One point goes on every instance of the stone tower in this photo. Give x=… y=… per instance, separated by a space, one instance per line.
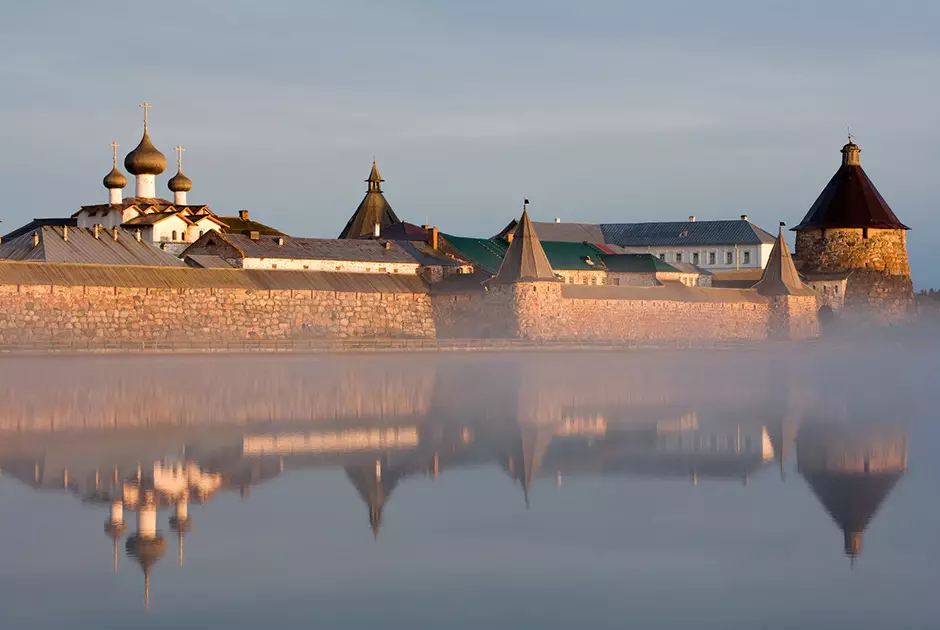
x=850 y=228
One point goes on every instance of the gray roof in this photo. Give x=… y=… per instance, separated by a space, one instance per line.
x=685 y=267
x=427 y=256
x=82 y=247
x=561 y=232
x=189 y=278
x=38 y=223
x=780 y=276
x=679 y=233
x=206 y=261
x=354 y=250
x=525 y=260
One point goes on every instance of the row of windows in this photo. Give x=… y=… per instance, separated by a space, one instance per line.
x=712 y=258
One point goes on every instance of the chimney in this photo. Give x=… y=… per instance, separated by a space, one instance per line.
x=137 y=235
x=691 y=218
x=433 y=237
x=163 y=246
x=35 y=239
x=388 y=245
x=97 y=228
x=280 y=241
x=254 y=236
x=377 y=230
x=744 y=217
x=65 y=233
x=557 y=219
x=243 y=215
x=114 y=233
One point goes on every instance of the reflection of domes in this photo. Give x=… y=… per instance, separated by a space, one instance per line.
x=180 y=183
x=180 y=525
x=146 y=551
x=115 y=180
x=145 y=159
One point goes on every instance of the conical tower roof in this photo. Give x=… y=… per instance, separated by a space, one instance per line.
x=850 y=200
x=374 y=488
x=373 y=209
x=525 y=260
x=780 y=276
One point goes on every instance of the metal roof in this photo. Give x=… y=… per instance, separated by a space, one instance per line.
x=636 y=263
x=354 y=250
x=237 y=225
x=34 y=273
x=685 y=233
x=206 y=261
x=38 y=223
x=82 y=247
x=561 y=232
x=780 y=276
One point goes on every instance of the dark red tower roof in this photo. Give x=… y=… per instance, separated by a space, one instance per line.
x=850 y=200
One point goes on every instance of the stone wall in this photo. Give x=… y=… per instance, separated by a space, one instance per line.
x=479 y=315
x=52 y=313
x=793 y=317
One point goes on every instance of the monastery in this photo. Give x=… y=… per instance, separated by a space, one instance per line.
x=145 y=268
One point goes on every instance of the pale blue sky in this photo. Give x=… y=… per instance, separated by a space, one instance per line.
x=595 y=111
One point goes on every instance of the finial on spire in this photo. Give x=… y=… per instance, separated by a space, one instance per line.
x=114 y=147
x=179 y=157
x=145 y=105
x=849 y=132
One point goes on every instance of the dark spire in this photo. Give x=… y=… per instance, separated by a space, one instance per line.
x=780 y=276
x=850 y=200
x=373 y=209
x=525 y=260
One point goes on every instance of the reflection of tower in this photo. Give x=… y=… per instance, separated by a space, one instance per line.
x=782 y=434
x=375 y=485
x=524 y=462
x=180 y=521
x=851 y=472
x=147 y=545
x=115 y=527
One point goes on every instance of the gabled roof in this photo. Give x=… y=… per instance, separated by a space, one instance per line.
x=156 y=217
x=373 y=208
x=425 y=255
x=850 y=200
x=309 y=248
x=636 y=263
x=561 y=232
x=780 y=276
x=157 y=204
x=682 y=233
x=483 y=253
x=237 y=225
x=401 y=231
x=82 y=247
x=38 y=223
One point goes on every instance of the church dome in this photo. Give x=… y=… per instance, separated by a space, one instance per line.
x=115 y=179
x=145 y=159
x=180 y=183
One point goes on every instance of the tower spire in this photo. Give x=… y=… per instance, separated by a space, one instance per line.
x=525 y=260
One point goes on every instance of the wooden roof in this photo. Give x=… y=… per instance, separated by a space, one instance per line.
x=525 y=260
x=780 y=276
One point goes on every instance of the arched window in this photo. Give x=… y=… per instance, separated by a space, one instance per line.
x=174 y=235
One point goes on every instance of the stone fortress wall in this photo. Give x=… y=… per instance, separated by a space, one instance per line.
x=79 y=309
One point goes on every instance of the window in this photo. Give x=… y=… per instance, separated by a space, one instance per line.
x=747 y=258
x=864 y=232
x=174 y=235
x=695 y=258
x=306 y=266
x=711 y=258
x=678 y=256
x=729 y=258
x=273 y=265
x=662 y=256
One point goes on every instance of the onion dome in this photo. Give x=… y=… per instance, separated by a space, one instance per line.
x=145 y=159
x=115 y=180
x=180 y=183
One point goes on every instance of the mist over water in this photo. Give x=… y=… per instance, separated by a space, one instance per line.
x=768 y=487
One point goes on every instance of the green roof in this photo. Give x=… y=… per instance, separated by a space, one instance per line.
x=487 y=253
x=636 y=263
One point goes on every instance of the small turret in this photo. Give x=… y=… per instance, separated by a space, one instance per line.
x=115 y=180
x=179 y=184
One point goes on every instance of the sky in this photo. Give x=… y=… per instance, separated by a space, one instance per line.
x=596 y=110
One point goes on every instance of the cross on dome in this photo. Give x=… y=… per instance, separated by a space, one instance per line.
x=145 y=105
x=114 y=147
x=179 y=156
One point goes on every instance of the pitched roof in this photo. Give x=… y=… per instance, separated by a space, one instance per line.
x=61 y=274
x=525 y=260
x=38 y=223
x=157 y=203
x=680 y=233
x=780 y=276
x=310 y=248
x=373 y=208
x=82 y=247
x=561 y=232
x=426 y=255
x=156 y=217
x=206 y=261
x=636 y=263
x=402 y=231
x=483 y=253
x=850 y=200
x=237 y=225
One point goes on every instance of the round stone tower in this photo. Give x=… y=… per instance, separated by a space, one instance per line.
x=851 y=230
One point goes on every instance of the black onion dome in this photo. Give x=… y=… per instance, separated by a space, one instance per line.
x=145 y=159
x=115 y=179
x=180 y=183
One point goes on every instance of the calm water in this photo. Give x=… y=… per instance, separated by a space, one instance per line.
x=697 y=489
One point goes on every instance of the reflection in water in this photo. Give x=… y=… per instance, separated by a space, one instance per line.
x=388 y=424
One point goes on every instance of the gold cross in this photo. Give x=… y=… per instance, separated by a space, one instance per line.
x=114 y=146
x=146 y=106
x=849 y=130
x=179 y=157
